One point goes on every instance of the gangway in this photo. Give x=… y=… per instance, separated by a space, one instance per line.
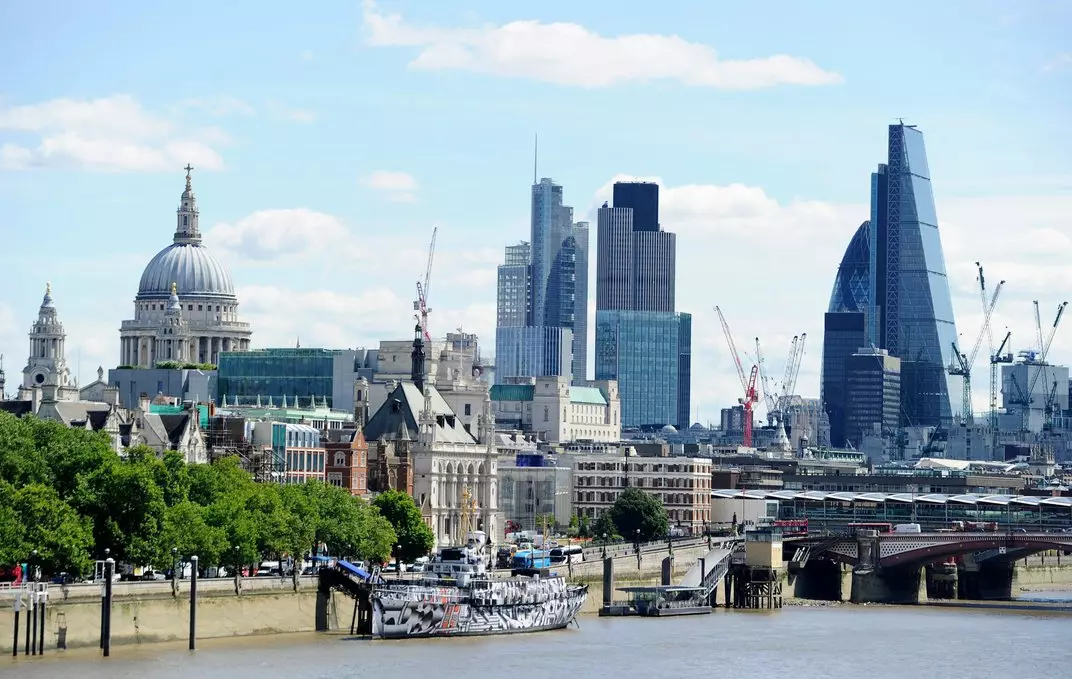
x=715 y=564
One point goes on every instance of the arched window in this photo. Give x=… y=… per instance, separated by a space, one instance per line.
x=340 y=459
x=185 y=220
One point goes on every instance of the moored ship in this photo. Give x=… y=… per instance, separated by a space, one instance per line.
x=459 y=596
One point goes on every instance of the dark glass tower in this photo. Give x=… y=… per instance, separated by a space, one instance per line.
x=892 y=293
x=912 y=304
x=640 y=340
x=643 y=199
x=844 y=328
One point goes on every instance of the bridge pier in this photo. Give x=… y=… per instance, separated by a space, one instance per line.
x=820 y=579
x=988 y=581
x=896 y=585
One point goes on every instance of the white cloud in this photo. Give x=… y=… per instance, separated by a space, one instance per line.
x=570 y=54
x=1059 y=62
x=398 y=187
x=268 y=235
x=110 y=134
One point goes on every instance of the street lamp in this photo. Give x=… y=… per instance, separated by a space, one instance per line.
x=30 y=566
x=637 y=547
x=174 y=569
x=398 y=561
x=604 y=545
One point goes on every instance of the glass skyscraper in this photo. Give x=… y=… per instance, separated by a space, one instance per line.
x=907 y=306
x=649 y=353
x=640 y=340
x=551 y=271
x=531 y=351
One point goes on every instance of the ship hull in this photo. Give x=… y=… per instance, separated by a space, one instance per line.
x=401 y=611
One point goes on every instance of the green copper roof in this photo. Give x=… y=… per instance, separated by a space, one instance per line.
x=202 y=412
x=512 y=392
x=588 y=395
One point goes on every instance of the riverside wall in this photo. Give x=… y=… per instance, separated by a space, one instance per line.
x=146 y=612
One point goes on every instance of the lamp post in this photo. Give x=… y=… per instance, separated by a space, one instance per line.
x=636 y=545
x=398 y=561
x=237 y=569
x=33 y=573
x=174 y=570
x=604 y=545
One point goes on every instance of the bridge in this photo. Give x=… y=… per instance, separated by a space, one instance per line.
x=887 y=550
x=892 y=567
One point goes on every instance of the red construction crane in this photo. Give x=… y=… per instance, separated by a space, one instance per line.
x=420 y=305
x=748 y=384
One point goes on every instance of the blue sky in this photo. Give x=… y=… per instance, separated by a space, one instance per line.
x=329 y=140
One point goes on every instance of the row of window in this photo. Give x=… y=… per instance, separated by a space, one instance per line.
x=621 y=482
x=666 y=498
x=656 y=468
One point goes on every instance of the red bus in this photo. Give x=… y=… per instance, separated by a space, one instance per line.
x=792 y=527
x=880 y=527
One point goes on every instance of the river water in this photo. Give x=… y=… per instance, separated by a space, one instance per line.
x=803 y=643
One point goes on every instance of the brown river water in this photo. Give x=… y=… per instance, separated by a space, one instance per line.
x=875 y=642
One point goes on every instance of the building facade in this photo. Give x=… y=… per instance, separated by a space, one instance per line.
x=299 y=377
x=186 y=309
x=47 y=362
x=346 y=464
x=533 y=490
x=911 y=311
x=637 y=267
x=557 y=411
x=845 y=328
x=297 y=449
x=552 y=269
x=649 y=355
x=872 y=395
x=683 y=484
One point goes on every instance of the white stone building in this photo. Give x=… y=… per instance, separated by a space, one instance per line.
x=47 y=363
x=559 y=412
x=186 y=309
x=683 y=484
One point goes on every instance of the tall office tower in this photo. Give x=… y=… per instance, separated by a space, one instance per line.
x=514 y=287
x=640 y=340
x=873 y=395
x=903 y=303
x=844 y=328
x=912 y=304
x=556 y=280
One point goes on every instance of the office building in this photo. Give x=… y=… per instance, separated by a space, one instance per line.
x=649 y=354
x=900 y=300
x=529 y=351
x=872 y=395
x=291 y=377
x=640 y=341
x=544 y=284
x=558 y=412
x=534 y=489
x=845 y=328
x=910 y=310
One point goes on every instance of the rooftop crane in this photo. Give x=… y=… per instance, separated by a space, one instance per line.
x=997 y=358
x=420 y=305
x=776 y=396
x=792 y=370
x=748 y=384
x=1025 y=399
x=962 y=364
x=768 y=392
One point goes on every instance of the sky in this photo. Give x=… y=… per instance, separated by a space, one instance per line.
x=328 y=140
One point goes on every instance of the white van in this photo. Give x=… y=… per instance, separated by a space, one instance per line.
x=907 y=528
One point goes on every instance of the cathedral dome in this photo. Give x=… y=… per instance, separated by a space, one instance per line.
x=193 y=270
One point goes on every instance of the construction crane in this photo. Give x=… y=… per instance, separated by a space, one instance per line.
x=776 y=396
x=420 y=305
x=961 y=364
x=997 y=358
x=748 y=384
x=1031 y=358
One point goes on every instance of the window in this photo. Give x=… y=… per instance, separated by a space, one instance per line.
x=546 y=413
x=186 y=220
x=340 y=459
x=468 y=409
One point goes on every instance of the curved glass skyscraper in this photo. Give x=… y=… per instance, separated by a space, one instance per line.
x=845 y=327
x=906 y=307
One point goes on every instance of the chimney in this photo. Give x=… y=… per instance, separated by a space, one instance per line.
x=143 y=402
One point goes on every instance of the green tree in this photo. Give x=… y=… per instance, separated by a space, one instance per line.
x=402 y=513
x=127 y=509
x=173 y=477
x=71 y=454
x=635 y=510
x=378 y=538
x=604 y=525
x=20 y=459
x=186 y=530
x=61 y=537
x=13 y=547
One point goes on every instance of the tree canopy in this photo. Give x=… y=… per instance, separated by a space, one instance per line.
x=636 y=510
x=65 y=493
x=414 y=535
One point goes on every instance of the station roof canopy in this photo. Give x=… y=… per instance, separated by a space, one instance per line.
x=924 y=498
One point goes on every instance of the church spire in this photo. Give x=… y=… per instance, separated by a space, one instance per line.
x=186 y=228
x=47 y=303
